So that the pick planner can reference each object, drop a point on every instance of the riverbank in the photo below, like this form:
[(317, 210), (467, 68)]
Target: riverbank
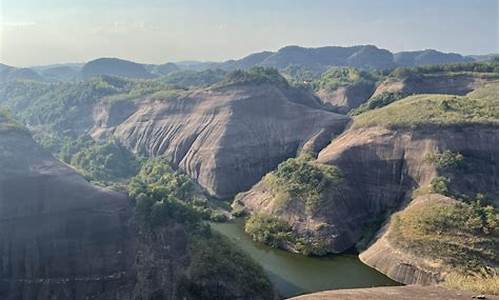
[(295, 274)]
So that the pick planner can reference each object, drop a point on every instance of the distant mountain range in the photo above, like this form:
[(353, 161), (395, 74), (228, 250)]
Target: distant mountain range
[(316, 60)]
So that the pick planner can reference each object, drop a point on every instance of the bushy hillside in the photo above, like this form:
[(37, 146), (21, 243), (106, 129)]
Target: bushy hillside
[(477, 107), (114, 67)]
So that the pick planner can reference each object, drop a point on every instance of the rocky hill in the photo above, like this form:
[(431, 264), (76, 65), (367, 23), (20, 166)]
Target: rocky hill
[(322, 58), (114, 67), (428, 57), (61, 237), (226, 136), (458, 255), (8, 73), (446, 144)]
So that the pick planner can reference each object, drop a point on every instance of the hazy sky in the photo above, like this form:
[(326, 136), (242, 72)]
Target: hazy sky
[(35, 32)]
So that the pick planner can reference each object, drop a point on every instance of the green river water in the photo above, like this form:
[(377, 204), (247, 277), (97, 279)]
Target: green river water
[(294, 274)]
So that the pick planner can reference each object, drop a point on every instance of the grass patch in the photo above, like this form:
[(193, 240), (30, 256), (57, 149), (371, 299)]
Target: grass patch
[(277, 233), (461, 237), (483, 283), (302, 179), (218, 270), (477, 107)]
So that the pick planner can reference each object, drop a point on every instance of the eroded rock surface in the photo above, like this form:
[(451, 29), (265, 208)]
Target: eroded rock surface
[(226, 138), (392, 293), (431, 84), (381, 167), (63, 238)]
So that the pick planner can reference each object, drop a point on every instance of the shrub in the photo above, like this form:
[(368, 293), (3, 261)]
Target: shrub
[(478, 107), (162, 195), (217, 270), (446, 159), (377, 102), (337, 77), (302, 179), (278, 233), (108, 161), (256, 75), (464, 237), (218, 216), (439, 185)]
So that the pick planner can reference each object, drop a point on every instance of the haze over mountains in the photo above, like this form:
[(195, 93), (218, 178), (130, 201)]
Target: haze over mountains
[(320, 150), (316, 60)]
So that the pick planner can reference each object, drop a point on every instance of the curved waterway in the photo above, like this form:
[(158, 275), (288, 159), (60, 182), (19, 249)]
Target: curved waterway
[(294, 274)]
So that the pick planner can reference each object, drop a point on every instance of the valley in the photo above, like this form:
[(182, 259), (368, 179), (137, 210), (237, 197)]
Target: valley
[(267, 177)]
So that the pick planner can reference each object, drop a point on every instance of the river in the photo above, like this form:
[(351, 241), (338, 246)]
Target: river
[(294, 274)]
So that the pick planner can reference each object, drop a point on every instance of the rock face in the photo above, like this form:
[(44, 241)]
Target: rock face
[(345, 98), (226, 137), (392, 293), (381, 167), (63, 238), (436, 84), (60, 237), (399, 265)]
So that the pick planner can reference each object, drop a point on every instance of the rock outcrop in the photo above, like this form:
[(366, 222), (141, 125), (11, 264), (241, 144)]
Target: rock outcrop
[(345, 98), (63, 238), (453, 84), (224, 137), (399, 265), (60, 237), (458, 256), (380, 168), (409, 292)]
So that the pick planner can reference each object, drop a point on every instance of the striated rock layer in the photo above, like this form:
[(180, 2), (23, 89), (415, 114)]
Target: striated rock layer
[(63, 238), (226, 137), (453, 84), (380, 167), (345, 98)]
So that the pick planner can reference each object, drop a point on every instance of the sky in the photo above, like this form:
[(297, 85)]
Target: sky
[(39, 32)]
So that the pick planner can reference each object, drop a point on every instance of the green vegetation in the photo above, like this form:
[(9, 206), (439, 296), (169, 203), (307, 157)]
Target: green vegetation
[(300, 76), (218, 271), (376, 102), (480, 69), (100, 162), (477, 107), (440, 185), (277, 233), (162, 194), (462, 238), (445, 160), (107, 161), (299, 178), (189, 78), (65, 109), (255, 75), (164, 198), (337, 77), (472, 67), (7, 122)]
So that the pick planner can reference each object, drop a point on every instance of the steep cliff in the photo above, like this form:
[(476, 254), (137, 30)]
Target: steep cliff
[(62, 238), (382, 159), (439, 240), (452, 84), (225, 137)]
